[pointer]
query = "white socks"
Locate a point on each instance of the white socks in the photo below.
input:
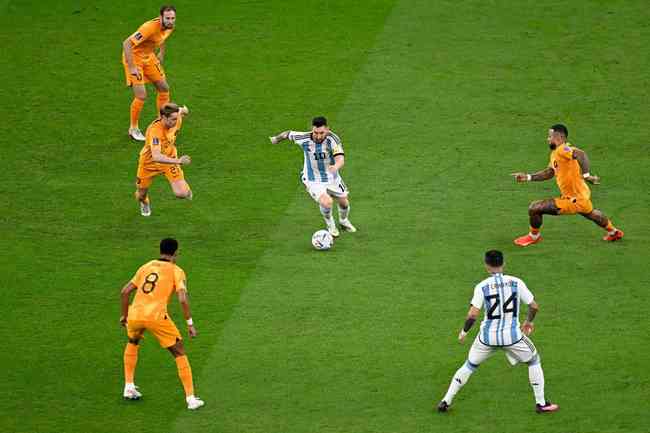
(536, 378)
(460, 378)
(343, 213)
(327, 214)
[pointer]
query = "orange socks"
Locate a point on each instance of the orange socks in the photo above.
(162, 99)
(136, 108)
(610, 227)
(185, 374)
(130, 361)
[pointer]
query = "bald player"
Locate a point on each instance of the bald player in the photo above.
(570, 167)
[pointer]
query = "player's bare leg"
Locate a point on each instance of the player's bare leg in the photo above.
(181, 189)
(536, 211)
(130, 361)
(598, 217)
(139, 96)
(185, 374)
(142, 195)
(325, 203)
(344, 211)
(163, 93)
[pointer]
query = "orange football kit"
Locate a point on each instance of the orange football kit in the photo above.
(156, 281)
(575, 194)
(158, 135)
(149, 37)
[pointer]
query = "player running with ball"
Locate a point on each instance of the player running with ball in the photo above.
(324, 158)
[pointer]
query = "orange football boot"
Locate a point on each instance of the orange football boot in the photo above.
(524, 241)
(618, 234)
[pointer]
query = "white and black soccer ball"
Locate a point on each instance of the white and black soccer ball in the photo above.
(322, 240)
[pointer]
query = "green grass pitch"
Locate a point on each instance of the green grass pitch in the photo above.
(436, 103)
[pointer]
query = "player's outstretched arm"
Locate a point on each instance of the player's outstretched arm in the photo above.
(542, 175)
(527, 327)
(582, 158)
(185, 305)
(124, 301)
(472, 314)
(275, 139)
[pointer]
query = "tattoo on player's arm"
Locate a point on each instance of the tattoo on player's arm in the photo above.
(468, 324)
(582, 159)
(545, 174)
(532, 312)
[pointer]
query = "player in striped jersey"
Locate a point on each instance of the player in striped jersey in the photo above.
(324, 157)
(500, 295)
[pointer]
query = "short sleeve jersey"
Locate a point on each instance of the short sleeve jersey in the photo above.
(156, 281)
(568, 174)
(158, 135)
(318, 156)
(500, 295)
(147, 38)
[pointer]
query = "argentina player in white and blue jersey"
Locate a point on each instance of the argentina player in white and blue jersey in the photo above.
(500, 296)
(323, 158)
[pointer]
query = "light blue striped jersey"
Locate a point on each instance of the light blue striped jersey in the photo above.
(500, 295)
(318, 156)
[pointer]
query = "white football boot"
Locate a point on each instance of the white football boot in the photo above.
(347, 226)
(131, 392)
(145, 209)
(136, 134)
(193, 403)
(331, 227)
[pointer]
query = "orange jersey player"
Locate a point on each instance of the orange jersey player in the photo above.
(142, 64)
(160, 156)
(570, 166)
(154, 283)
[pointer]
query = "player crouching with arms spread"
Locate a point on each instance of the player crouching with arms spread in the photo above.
(160, 156)
(570, 166)
(324, 158)
(500, 295)
(154, 283)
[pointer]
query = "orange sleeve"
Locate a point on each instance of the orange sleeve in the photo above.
(138, 278)
(143, 33)
(180, 280)
(153, 137)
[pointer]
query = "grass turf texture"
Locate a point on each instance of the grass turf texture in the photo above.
(436, 104)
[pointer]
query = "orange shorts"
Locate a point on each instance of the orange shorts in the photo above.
(164, 330)
(573, 205)
(172, 172)
(150, 71)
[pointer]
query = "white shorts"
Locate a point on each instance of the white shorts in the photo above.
(336, 189)
(522, 351)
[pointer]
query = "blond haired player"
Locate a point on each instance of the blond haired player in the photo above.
(570, 166)
(154, 283)
(142, 65)
(160, 156)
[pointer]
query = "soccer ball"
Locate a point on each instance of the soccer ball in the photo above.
(322, 240)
